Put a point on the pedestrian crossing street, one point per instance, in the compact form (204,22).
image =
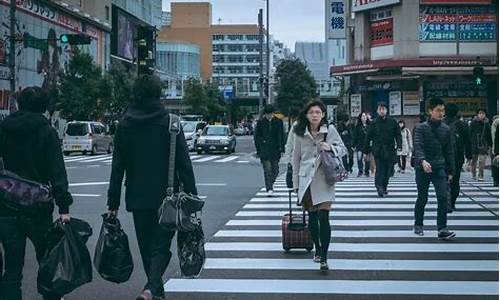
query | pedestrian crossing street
(374,253)
(107,159)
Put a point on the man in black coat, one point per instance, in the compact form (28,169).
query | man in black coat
(434,162)
(462,148)
(480,134)
(30,148)
(269,139)
(385,134)
(142,147)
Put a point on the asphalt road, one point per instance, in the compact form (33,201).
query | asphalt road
(226,181)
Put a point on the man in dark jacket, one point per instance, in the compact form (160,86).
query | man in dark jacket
(269,142)
(434,162)
(345,132)
(30,148)
(385,134)
(462,147)
(142,147)
(480,134)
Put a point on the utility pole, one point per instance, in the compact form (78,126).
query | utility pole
(12,54)
(261,63)
(268,60)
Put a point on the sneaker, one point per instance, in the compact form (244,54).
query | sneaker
(386,193)
(316,258)
(270,193)
(402,171)
(145,295)
(480,178)
(380,193)
(418,230)
(323,266)
(445,234)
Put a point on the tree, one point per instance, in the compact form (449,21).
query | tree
(83,90)
(121,83)
(215,102)
(295,85)
(194,96)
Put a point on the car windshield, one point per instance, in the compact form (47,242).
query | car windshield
(211,130)
(188,126)
(77,129)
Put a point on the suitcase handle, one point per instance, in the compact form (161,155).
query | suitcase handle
(290,210)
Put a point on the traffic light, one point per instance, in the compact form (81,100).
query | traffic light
(145,50)
(478,75)
(75,39)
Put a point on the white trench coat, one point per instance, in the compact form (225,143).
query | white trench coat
(306,161)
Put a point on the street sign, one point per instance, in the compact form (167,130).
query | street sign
(228,93)
(336,19)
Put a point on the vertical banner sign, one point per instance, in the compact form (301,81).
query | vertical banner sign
(395,103)
(355,105)
(336,19)
(411,105)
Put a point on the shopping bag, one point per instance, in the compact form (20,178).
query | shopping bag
(112,257)
(191,252)
(66,264)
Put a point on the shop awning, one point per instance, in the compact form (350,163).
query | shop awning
(422,64)
(488,70)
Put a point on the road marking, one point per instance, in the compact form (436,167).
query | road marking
(194,156)
(211,184)
(82,158)
(362,247)
(89,183)
(93,166)
(357,200)
(334,213)
(352,264)
(361,206)
(396,287)
(85,195)
(369,189)
(359,233)
(208,158)
(356,222)
(227,159)
(108,161)
(69,159)
(106,157)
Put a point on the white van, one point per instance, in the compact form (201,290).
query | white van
(86,137)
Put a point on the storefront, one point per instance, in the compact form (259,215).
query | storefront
(407,85)
(41,59)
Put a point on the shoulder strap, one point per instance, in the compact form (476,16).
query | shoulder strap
(174,129)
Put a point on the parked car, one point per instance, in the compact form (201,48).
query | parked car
(86,137)
(192,131)
(216,138)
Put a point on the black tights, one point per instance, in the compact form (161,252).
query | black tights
(321,232)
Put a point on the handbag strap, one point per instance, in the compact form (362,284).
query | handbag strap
(174,129)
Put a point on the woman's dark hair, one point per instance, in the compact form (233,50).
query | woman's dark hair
(359,122)
(33,99)
(402,121)
(303,122)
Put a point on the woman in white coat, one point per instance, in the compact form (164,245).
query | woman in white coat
(315,194)
(407,146)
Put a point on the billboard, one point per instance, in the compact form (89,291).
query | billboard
(361,5)
(381,32)
(336,19)
(124,32)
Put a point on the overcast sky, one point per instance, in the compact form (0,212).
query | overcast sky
(290,20)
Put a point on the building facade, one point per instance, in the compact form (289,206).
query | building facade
(42,58)
(405,52)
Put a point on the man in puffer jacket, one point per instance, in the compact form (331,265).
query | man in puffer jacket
(434,162)
(480,133)
(30,148)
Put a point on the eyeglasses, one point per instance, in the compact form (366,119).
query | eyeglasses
(315,113)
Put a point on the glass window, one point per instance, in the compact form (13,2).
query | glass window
(216,130)
(77,129)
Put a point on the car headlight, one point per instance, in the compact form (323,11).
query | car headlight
(201,141)
(225,141)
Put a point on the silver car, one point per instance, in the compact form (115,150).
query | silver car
(216,138)
(86,137)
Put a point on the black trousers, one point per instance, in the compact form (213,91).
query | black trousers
(455,184)
(271,172)
(383,173)
(440,181)
(154,246)
(14,231)
(402,162)
(363,165)
(348,160)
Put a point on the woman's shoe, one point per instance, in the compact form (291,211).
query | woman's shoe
(323,266)
(317,257)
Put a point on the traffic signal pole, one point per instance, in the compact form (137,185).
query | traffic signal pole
(261,63)
(12,55)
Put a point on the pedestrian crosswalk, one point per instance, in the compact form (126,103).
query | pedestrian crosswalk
(107,159)
(374,253)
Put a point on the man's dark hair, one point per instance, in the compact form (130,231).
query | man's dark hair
(383,104)
(268,109)
(147,89)
(33,99)
(451,110)
(480,111)
(433,102)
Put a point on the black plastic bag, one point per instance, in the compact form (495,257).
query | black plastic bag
(66,264)
(191,252)
(112,257)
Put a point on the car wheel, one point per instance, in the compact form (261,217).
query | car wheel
(94,150)
(66,153)
(110,149)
